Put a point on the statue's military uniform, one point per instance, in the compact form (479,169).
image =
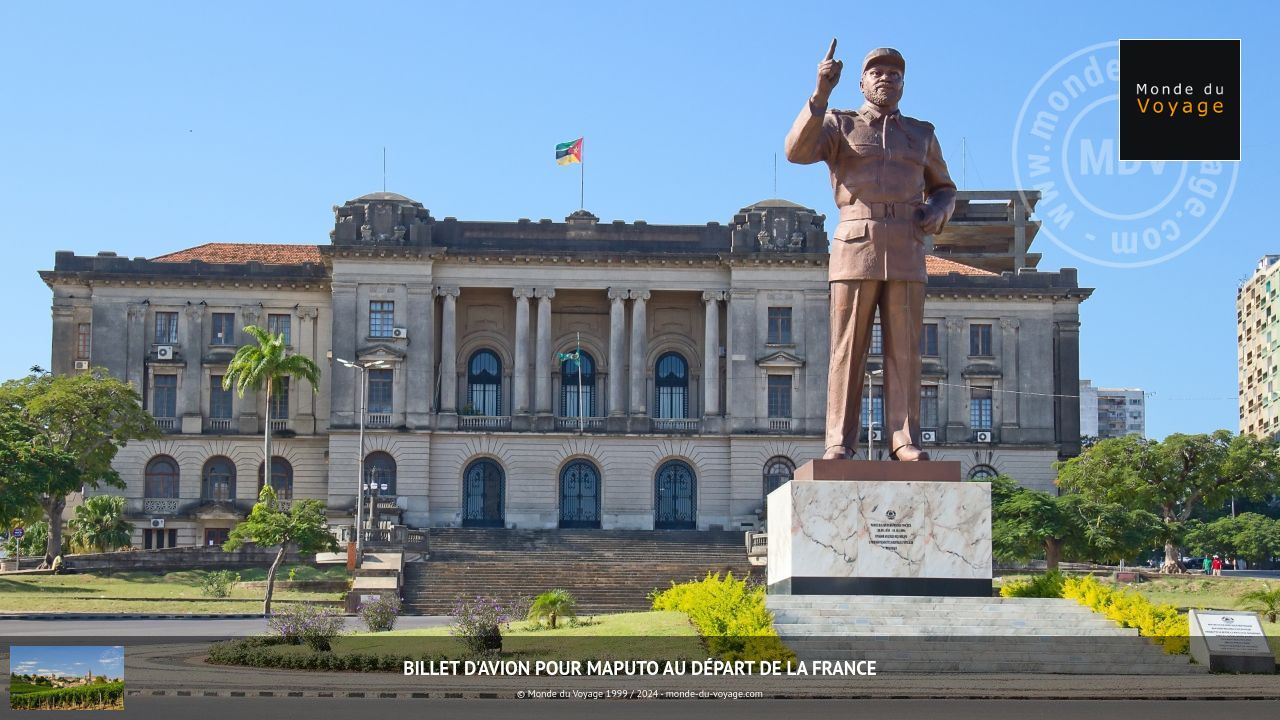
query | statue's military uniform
(884,168)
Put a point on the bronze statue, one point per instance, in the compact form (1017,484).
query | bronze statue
(892,188)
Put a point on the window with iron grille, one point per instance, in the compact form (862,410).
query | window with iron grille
(980,339)
(224,329)
(166,328)
(778,471)
(84,335)
(278,324)
(164,396)
(578,386)
(380,391)
(928,406)
(219,399)
(929,339)
(484,383)
(779,396)
(280,399)
(672,385)
(381,318)
(779,325)
(980,408)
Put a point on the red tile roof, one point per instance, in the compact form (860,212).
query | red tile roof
(266,253)
(935,265)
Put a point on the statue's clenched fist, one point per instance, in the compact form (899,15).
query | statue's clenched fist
(828,75)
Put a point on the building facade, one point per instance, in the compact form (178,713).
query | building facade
(1257,340)
(1112,412)
(546,374)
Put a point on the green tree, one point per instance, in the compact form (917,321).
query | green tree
(261,366)
(1265,601)
(99,525)
(34,536)
(302,526)
(1027,523)
(1254,537)
(77,424)
(1171,478)
(552,605)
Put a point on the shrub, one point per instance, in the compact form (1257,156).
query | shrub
(311,624)
(478,623)
(729,614)
(552,605)
(380,615)
(260,652)
(1265,601)
(218,584)
(1162,623)
(1048,585)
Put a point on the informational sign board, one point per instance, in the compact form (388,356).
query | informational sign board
(18,532)
(1230,641)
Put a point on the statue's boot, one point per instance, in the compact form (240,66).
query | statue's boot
(837,452)
(909,453)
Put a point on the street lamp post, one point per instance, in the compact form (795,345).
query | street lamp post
(361,371)
(871,415)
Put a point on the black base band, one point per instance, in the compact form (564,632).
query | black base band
(937,587)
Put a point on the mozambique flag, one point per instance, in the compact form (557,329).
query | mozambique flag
(569,152)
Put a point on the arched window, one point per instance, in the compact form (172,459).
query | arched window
(675,497)
(484,383)
(219,481)
(778,471)
(982,472)
(161,478)
(672,383)
(380,468)
(578,384)
(482,495)
(580,495)
(281,478)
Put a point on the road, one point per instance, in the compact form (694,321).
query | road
(203,627)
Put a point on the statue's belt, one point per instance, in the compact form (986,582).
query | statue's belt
(875,211)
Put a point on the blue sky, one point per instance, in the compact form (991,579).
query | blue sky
(145,128)
(68,660)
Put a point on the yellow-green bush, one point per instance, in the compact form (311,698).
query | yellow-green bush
(730,616)
(1162,623)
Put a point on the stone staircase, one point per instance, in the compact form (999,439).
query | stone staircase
(607,571)
(967,635)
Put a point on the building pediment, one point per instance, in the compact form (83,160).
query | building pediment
(781,360)
(981,370)
(932,369)
(380,351)
(215,510)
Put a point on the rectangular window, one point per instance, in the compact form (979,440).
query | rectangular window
(380,391)
(877,339)
(980,339)
(779,396)
(224,329)
(279,324)
(381,318)
(929,340)
(280,399)
(928,406)
(164,396)
(166,328)
(980,408)
(219,399)
(84,335)
(873,407)
(779,326)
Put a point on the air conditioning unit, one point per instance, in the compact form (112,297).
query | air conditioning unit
(877,435)
(82,364)
(984,436)
(928,436)
(164,352)
(157,522)
(401,333)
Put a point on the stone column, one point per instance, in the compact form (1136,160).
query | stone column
(617,341)
(639,405)
(711,353)
(419,365)
(248,405)
(449,357)
(955,351)
(520,372)
(192,370)
(306,342)
(542,357)
(139,347)
(1008,401)
(343,388)
(64,339)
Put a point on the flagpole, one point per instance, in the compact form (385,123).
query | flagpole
(582,183)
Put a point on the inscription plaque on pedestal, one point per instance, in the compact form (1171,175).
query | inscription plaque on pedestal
(1230,642)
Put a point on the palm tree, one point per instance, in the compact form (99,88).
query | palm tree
(99,525)
(552,605)
(1265,601)
(261,366)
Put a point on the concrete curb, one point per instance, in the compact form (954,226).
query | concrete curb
(129,616)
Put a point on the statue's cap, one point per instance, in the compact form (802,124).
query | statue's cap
(884,55)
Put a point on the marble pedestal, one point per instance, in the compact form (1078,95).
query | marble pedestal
(922,533)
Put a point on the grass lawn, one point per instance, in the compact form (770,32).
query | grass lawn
(143,591)
(1210,593)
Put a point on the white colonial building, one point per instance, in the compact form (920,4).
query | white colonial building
(700,380)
